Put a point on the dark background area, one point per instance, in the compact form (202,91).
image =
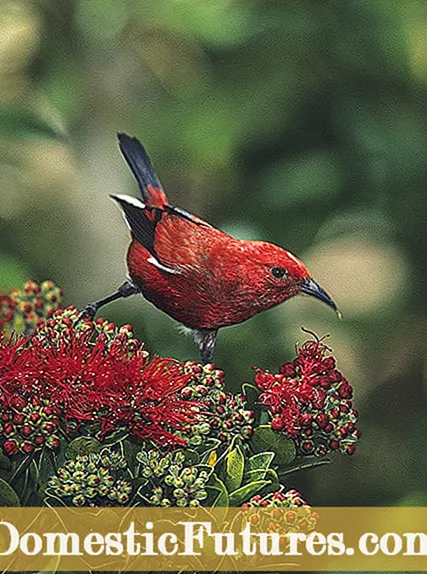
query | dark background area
(302,123)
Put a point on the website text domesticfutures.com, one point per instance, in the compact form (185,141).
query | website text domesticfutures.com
(190,539)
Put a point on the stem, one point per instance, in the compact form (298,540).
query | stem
(304,466)
(24,464)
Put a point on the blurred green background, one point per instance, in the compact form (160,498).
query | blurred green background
(302,123)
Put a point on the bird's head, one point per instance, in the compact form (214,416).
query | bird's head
(281,275)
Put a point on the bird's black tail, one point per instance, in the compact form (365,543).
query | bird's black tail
(143,170)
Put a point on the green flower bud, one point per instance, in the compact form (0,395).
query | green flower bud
(123,498)
(54,481)
(195,440)
(93,480)
(75,488)
(90,492)
(188,475)
(204,428)
(108,480)
(103,490)
(79,476)
(142,457)
(78,500)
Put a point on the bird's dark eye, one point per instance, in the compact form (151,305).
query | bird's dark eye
(278,272)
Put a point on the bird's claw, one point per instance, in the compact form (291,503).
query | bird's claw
(87,312)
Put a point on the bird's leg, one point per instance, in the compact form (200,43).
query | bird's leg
(126,290)
(206,339)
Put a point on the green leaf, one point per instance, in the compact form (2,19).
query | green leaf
(46,466)
(244,493)
(129,449)
(265,439)
(218,491)
(53,501)
(234,467)
(8,496)
(5,463)
(274,483)
(83,445)
(260,461)
(115,437)
(258,466)
(191,457)
(251,392)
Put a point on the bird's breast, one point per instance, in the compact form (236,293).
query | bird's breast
(209,293)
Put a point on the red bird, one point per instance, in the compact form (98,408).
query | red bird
(196,273)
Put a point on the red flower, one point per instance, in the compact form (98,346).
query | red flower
(95,378)
(310,398)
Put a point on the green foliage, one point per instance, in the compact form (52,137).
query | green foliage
(264,438)
(235,465)
(8,497)
(15,123)
(241,477)
(82,445)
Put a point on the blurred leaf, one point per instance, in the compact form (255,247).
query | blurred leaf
(219,23)
(191,457)
(312,177)
(115,437)
(101,20)
(12,273)
(23,123)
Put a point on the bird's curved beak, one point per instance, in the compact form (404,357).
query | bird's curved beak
(310,287)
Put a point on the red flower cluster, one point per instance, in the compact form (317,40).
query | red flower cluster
(22,310)
(309,401)
(94,378)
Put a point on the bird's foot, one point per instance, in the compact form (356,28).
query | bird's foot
(87,312)
(126,290)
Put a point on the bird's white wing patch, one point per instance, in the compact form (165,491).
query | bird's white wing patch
(159,265)
(131,200)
